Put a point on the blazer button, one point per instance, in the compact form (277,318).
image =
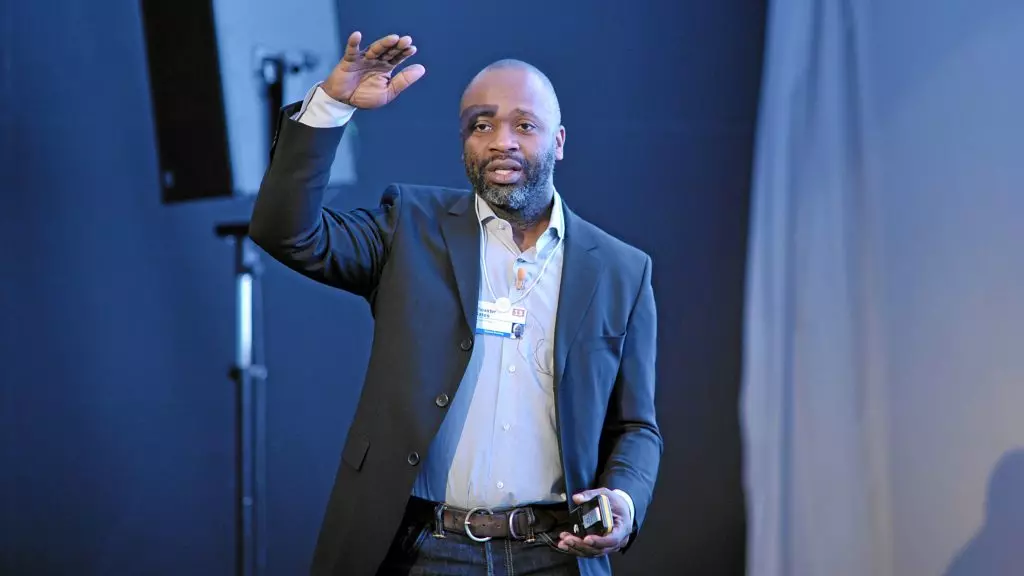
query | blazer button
(466,344)
(413,459)
(441,400)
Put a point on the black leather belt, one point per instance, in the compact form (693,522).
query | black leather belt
(482,524)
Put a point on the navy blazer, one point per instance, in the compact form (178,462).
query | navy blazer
(415,258)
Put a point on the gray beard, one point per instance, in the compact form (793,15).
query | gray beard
(525,203)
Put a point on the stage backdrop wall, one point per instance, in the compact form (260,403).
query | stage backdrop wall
(117,312)
(883,384)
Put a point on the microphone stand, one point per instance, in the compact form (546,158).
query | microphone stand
(249,376)
(248,372)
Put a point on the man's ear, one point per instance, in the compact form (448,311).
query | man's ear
(560,143)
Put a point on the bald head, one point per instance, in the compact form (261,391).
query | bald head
(512,71)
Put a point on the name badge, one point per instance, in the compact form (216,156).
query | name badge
(491,319)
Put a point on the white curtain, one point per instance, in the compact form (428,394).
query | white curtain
(883,393)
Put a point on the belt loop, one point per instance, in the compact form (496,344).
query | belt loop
(531,519)
(439,520)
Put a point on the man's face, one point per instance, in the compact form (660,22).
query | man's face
(511,138)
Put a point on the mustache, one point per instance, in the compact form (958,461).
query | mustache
(484,162)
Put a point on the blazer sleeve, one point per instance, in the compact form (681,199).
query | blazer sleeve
(346,250)
(633,442)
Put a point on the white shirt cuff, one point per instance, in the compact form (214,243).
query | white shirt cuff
(629,500)
(321,111)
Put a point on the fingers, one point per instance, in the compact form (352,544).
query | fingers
(391,49)
(396,52)
(405,78)
(352,48)
(574,545)
(402,56)
(602,542)
(381,47)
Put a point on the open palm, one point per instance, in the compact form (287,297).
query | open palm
(366,78)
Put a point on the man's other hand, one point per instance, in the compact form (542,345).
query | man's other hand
(622,526)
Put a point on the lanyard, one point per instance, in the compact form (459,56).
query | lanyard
(505,304)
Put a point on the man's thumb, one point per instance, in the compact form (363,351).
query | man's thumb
(406,78)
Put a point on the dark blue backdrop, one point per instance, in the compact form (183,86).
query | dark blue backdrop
(118,313)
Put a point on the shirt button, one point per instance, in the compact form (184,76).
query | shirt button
(505,427)
(501,485)
(512,368)
(466,344)
(413,459)
(441,400)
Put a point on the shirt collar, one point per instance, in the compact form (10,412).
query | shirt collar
(556,224)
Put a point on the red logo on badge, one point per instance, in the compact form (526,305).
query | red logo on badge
(518,312)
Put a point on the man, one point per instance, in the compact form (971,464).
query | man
(466,442)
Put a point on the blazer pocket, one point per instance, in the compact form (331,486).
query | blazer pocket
(607,343)
(354,452)
(598,361)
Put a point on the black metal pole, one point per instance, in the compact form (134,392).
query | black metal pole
(249,376)
(273,72)
(248,372)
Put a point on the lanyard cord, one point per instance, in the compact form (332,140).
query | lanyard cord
(483,258)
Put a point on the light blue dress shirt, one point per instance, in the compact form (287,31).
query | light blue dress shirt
(498,444)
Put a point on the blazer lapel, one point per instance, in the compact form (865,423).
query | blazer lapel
(581,270)
(461,231)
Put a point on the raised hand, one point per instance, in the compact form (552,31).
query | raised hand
(366,79)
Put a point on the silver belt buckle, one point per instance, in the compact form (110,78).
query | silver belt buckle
(469,516)
(511,524)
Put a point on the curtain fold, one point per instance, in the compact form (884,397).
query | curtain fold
(812,423)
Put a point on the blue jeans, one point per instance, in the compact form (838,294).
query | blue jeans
(415,551)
